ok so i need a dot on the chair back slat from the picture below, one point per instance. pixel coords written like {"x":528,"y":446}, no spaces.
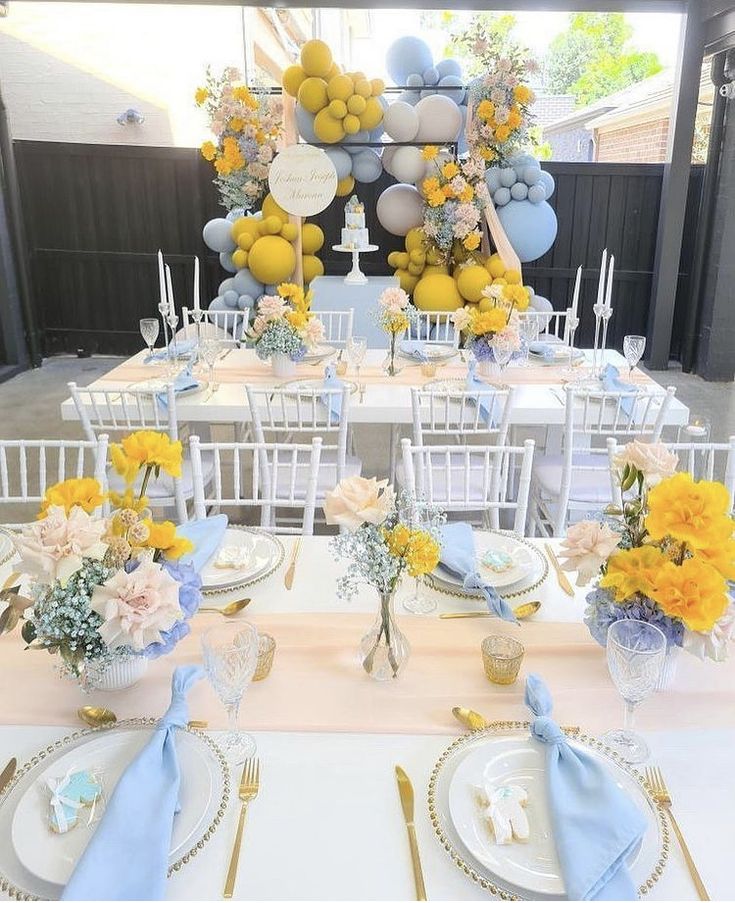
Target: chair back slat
{"x":338,"y":325}
{"x":442,"y":413}
{"x":551,"y":323}
{"x":435,"y":327}
{"x":228,"y":326}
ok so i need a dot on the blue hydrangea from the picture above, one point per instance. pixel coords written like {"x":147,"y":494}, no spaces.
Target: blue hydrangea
{"x":602,"y":611}
{"x":190,"y":596}
{"x":280,"y":338}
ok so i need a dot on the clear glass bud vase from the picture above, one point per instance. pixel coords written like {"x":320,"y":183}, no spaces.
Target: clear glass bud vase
{"x":384,"y":650}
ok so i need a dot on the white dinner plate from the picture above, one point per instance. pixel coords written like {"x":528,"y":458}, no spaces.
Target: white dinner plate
{"x":561,"y":356}
{"x":52,"y":857}
{"x":158,"y":384}
{"x":531,"y":868}
{"x":297,"y":386}
{"x":434,"y":352}
{"x":320,"y":353}
{"x":263,"y":551}
{"x":527,"y":562}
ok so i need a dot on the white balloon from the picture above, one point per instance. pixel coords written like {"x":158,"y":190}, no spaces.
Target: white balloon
{"x":400,"y":208}
{"x":387,"y":158}
{"x":408,"y":164}
{"x":401,"y":121}
{"x":439,"y":119}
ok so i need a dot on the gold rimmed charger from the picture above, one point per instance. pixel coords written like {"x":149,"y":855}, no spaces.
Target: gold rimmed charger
{"x":280,"y":554}
{"x":315,"y":383}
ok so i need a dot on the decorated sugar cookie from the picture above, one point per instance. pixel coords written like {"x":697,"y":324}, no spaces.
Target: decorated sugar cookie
{"x":232,"y":557}
{"x":504,"y":809}
{"x":75,"y":791}
{"x":497,"y":561}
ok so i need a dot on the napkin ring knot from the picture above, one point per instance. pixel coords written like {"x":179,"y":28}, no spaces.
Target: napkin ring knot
{"x":546,"y":730}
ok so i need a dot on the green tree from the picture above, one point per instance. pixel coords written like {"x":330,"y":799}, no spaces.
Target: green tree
{"x":472,"y":38}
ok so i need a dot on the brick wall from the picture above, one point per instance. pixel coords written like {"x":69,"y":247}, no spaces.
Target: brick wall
{"x":644,"y":142}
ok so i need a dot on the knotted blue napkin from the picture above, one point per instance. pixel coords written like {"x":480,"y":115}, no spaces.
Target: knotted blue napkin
{"x":332,"y":400}
{"x":611,"y":382}
{"x":596,"y":825}
{"x":414,"y":348}
{"x":183,"y":347}
{"x":207,"y":535}
{"x":127,"y":857}
{"x":484,"y":397}
{"x":182,"y":381}
{"x":458,"y":556}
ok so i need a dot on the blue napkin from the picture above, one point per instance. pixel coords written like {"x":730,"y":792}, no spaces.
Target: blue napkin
{"x":127,"y":857}
{"x":484,"y":395}
{"x":596,"y":825}
{"x":458,"y":556}
{"x":331,"y":399}
{"x":414,"y":348}
{"x":542,"y":350}
{"x":183,"y":347}
{"x":611,"y":382}
{"x":207,"y":535}
{"x":183,"y":380}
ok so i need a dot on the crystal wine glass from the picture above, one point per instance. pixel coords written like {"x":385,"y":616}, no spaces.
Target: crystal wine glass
{"x":529,"y":328}
{"x":356,"y":351}
{"x":415,"y":514}
{"x":149,"y":329}
{"x":230,"y":656}
{"x":209,"y":351}
{"x":633,"y":348}
{"x":635,"y":657}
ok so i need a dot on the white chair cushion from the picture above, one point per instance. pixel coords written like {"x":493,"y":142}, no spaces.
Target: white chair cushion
{"x":163,"y":487}
{"x":477,"y":482}
{"x":586,"y":486}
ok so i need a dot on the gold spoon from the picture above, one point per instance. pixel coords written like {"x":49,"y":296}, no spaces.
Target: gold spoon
{"x":521,"y":612}
{"x":96,"y":716}
{"x":229,"y":610}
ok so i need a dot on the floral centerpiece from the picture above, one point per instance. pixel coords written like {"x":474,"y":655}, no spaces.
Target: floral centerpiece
{"x":382,"y":540}
{"x":284,"y":329}
{"x":394,"y":315}
{"x":667,"y":556}
{"x":491,"y":329}
{"x":246,"y":125}
{"x":106,"y":592}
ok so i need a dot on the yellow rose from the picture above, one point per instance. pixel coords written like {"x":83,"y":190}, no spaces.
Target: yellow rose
{"x":200,"y":95}
{"x":633,"y":571}
{"x":690,"y":512}
{"x":693,"y":591}
{"x":83,"y":492}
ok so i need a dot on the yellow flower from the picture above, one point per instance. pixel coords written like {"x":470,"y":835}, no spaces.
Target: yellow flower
{"x":522,"y":93}
{"x":164,"y":537}
{"x":397,"y":539}
{"x":487,"y":153}
{"x":634,"y":571}
{"x":695,"y":513}
{"x":517,"y":295}
{"x":450,"y":170}
{"x":472,"y":241}
{"x":486,"y":109}
{"x":422,"y":553}
{"x":721,"y":557}
{"x":694,"y":592}
{"x":447,"y":191}
{"x":514,"y":118}
{"x":291,"y":290}
{"x":146,"y":448}
{"x":467,"y":193}
{"x":242,"y":94}
{"x":260,"y":136}
{"x":208,"y":151}
{"x":236,"y":124}
{"x":492,"y":320}
{"x":223,"y":167}
{"x":436,"y":198}
{"x":128,"y":499}
{"x":430,"y":152}
{"x":200,"y":95}
{"x":83,"y":492}
{"x":397,"y":323}
{"x":430,"y":185}
{"x":297,"y":319}
{"x":502,"y":133}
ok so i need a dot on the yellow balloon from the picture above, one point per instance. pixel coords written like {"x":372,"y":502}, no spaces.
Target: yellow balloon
{"x":434,"y":257}
{"x":500,"y":281}
{"x":313,"y":94}
{"x":240,"y":258}
{"x":407,"y":281}
{"x":402,"y":260}
{"x":327,"y":128}
{"x":291,"y":79}
{"x":289,"y":231}
{"x":337,"y":109}
{"x":335,"y":70}
{"x":377,"y":86}
{"x":356,"y":105}
{"x":436,"y":270}
{"x":345,"y":186}
{"x":272,"y":259}
{"x":471,"y":281}
{"x":437,"y":292}
{"x":312,"y":238}
{"x":495,"y":266}
{"x":415,"y":269}
{"x":373,"y":114}
{"x":271,"y":208}
{"x":340,"y":87}
{"x":245,"y":240}
{"x":244,"y":224}
{"x":262,"y":228}
{"x":351,"y":124}
{"x":312,"y":267}
{"x":415,"y":239}
{"x":363,"y":87}
{"x":417,"y":255}
{"x":316,"y":58}
{"x":393,"y":259}
{"x":273,"y":224}
{"x":512,"y":277}
{"x":486,"y":304}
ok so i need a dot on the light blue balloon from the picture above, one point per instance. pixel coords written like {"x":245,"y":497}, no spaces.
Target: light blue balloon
{"x":531,"y":228}
{"x":354,"y":144}
{"x":226,"y":262}
{"x":507,"y":176}
{"x":501,"y":196}
{"x":522,"y":160}
{"x":449,"y":67}
{"x":531,"y":175}
{"x":519,"y":191}
{"x":235,"y":214}
{"x":226,"y":285}
{"x":412,"y":97}
{"x":406,"y":55}
{"x":217,"y":235}
{"x":305,"y":124}
{"x":245,"y":301}
{"x":547,"y":180}
{"x":452,"y":81}
{"x":536,"y":194}
{"x":246,"y":284}
{"x":271,"y":289}
{"x":431,"y":76}
{"x":415,"y":80}
{"x":537,"y":302}
{"x":462,"y":146}
{"x":366,"y":166}
{"x":218,"y":304}
{"x":230,"y":298}
{"x":341,"y":161}
{"x":377,"y":133}
{"x":492,"y":178}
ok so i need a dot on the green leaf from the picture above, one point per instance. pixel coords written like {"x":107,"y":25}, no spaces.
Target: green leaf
{"x":8,"y":619}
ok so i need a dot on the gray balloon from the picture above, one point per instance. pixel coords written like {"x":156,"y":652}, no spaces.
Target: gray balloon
{"x":217,"y":235}
{"x":305,"y":124}
{"x":415,"y":80}
{"x":225,"y":261}
{"x":452,"y":81}
{"x":507,"y":176}
{"x":270,"y":289}
{"x":536,"y":194}
{"x":448,"y":67}
{"x":492,"y":177}
{"x":235,"y":214}
{"x":519,"y":191}
{"x":341,"y":161}
{"x":366,"y":166}
{"x":245,"y":301}
{"x":244,"y":283}
{"x":531,"y":175}
{"x":412,"y":97}
{"x":501,"y":196}
{"x":547,"y":180}
{"x":230,"y":298}
{"x":226,"y":285}
{"x":354,"y":144}
{"x":218,"y":304}
{"x":431,"y":76}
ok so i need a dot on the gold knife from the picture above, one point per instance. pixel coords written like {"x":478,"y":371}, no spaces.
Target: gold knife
{"x":561,"y":577}
{"x":288,"y":578}
{"x":520,"y":611}
{"x":405,"y":791}
{"x":7,"y":773}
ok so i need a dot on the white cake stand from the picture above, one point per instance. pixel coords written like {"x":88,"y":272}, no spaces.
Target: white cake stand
{"x":355,"y":276}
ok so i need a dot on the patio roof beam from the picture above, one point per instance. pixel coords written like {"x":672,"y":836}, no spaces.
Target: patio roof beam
{"x":604,"y":6}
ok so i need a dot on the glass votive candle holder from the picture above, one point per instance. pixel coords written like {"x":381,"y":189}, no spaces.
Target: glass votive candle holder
{"x":266,"y":653}
{"x":428,"y":368}
{"x":501,"y":658}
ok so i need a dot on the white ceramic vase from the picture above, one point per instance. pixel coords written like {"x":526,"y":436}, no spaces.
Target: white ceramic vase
{"x":122,"y":673}
{"x":282,"y":365}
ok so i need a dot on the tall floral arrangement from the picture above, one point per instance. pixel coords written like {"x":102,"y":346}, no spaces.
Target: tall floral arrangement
{"x":494,"y":321}
{"x":246,"y":125}
{"x":105,"y":587}
{"x":394,"y":315}
{"x":285,"y":325}
{"x":667,"y":556}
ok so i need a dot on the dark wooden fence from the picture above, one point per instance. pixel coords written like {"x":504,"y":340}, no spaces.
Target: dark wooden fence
{"x":95,"y":215}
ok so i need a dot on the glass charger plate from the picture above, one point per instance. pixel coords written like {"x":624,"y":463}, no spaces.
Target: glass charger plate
{"x":320,"y":353}
{"x":155,"y":384}
{"x":460,"y":758}
{"x":19,"y":883}
{"x":316,"y":383}
{"x":561,"y":357}
{"x":435,"y":353}
{"x":275,"y":555}
{"x":457,"y":384}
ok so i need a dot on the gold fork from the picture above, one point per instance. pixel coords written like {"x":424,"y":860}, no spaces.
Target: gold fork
{"x":655,"y":781}
{"x":249,"y":786}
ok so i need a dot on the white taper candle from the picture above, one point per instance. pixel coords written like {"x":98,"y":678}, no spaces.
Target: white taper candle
{"x":196,"y":283}
{"x":601,"y":281}
{"x":171,"y":304}
{"x":575,"y":296}
{"x":161,"y":278}
{"x":608,"y":290}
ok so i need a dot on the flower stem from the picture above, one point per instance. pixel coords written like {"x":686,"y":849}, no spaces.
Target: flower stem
{"x":146,"y":478}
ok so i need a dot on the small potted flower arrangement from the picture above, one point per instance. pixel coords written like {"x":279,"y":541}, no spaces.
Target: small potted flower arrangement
{"x":381,"y":541}
{"x":666,"y":557}
{"x":491,"y":329}
{"x":106,"y":593}
{"x":284,"y":329}
{"x":394,"y":315}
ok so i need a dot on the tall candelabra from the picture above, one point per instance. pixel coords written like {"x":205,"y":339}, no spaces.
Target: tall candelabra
{"x":602,"y":313}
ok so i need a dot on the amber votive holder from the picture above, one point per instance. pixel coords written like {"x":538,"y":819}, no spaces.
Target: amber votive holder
{"x":428,"y":368}
{"x":501,"y":658}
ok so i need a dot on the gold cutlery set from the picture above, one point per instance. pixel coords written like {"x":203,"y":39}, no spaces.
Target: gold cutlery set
{"x":291,"y":570}
{"x":248,"y":790}
{"x":561,"y":577}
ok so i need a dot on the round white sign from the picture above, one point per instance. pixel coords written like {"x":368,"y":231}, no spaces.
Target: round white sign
{"x":303,"y":180}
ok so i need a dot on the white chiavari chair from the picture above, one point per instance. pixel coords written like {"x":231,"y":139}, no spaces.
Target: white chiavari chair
{"x":226,"y":325}
{"x":578,"y":480}
{"x":263,"y":478}
{"x":119,"y":412}
{"x":491,"y":482}
{"x":28,"y":467}
{"x":435,"y":327}
{"x":337,"y":325}
{"x":457,"y":414}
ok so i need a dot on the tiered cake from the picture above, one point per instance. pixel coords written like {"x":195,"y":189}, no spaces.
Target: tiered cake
{"x":354,"y":234}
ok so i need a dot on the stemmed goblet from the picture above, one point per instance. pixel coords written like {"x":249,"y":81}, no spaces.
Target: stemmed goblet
{"x":415,"y":514}
{"x":356,"y":351}
{"x":529,"y":328}
{"x":209,"y":351}
{"x":633,"y":348}
{"x":149,"y":329}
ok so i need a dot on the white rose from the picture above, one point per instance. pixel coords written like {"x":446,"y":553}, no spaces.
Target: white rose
{"x":653,"y":459}
{"x":587,"y":546}
{"x":357,"y":501}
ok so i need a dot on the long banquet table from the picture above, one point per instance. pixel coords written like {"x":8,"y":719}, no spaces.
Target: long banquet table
{"x":327,"y":823}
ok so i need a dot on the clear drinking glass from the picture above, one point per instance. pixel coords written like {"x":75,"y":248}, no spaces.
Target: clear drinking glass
{"x":635,"y":657}
{"x":633,"y":348}
{"x":209,"y":352}
{"x":529,"y":327}
{"x":230,"y":656}
{"x":414,"y":514}
{"x":149,"y":329}
{"x":356,"y":350}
